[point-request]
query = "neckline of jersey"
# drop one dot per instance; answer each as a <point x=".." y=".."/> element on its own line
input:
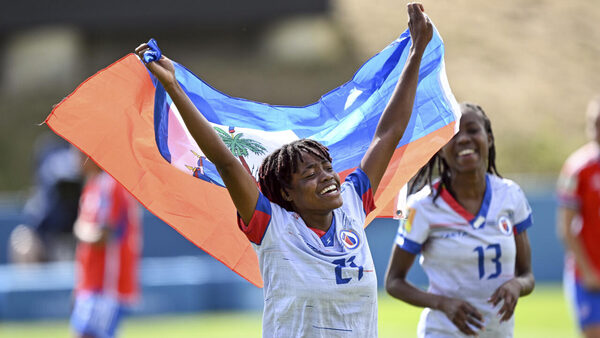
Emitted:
<point x="476" y="221"/>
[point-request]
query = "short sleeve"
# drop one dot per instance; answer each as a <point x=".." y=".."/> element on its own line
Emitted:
<point x="362" y="185"/>
<point x="566" y="189"/>
<point x="523" y="216"/>
<point x="257" y="227"/>
<point x="414" y="230"/>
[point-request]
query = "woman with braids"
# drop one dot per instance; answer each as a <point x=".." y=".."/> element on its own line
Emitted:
<point x="305" y="225"/>
<point x="470" y="228"/>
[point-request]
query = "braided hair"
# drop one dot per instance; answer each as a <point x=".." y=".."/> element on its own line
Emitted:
<point x="438" y="165"/>
<point x="276" y="170"/>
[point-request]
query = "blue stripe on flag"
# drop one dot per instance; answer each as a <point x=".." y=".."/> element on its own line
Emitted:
<point x="345" y="118"/>
<point x="161" y="121"/>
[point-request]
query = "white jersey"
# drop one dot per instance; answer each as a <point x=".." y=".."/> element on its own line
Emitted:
<point x="466" y="256"/>
<point x="317" y="287"/>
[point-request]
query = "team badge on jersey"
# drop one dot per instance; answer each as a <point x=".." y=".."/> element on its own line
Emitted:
<point x="505" y="225"/>
<point x="349" y="239"/>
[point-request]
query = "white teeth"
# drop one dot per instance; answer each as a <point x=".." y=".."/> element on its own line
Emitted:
<point x="328" y="189"/>
<point x="466" y="152"/>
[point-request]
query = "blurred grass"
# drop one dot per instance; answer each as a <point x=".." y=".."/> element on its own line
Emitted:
<point x="542" y="314"/>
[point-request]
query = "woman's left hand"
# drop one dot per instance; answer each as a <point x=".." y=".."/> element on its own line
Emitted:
<point x="508" y="292"/>
<point x="419" y="25"/>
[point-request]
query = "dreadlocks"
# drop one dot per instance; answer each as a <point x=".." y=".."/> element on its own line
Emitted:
<point x="276" y="170"/>
<point x="438" y="165"/>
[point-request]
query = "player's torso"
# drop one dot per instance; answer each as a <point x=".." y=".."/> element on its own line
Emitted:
<point x="463" y="261"/>
<point x="112" y="266"/>
<point x="469" y="261"/>
<point x="316" y="289"/>
<point x="470" y="258"/>
<point x="589" y="195"/>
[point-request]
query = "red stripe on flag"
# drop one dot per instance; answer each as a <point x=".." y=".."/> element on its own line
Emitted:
<point x="110" y="118"/>
<point x="405" y="163"/>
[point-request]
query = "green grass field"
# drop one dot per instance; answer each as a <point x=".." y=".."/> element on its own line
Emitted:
<point x="542" y="314"/>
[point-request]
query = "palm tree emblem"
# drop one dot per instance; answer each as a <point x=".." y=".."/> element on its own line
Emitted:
<point x="240" y="146"/>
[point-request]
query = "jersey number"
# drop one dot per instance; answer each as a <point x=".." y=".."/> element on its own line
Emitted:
<point x="496" y="260"/>
<point x="341" y="263"/>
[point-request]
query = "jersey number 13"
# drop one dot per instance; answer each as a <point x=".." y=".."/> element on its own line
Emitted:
<point x="496" y="260"/>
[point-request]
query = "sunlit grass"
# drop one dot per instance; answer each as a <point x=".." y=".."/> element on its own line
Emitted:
<point x="542" y="314"/>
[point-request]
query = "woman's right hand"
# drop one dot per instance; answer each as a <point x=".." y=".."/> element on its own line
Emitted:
<point x="163" y="69"/>
<point x="462" y="314"/>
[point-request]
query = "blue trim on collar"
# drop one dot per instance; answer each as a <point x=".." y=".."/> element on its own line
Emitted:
<point x="479" y="220"/>
<point x="329" y="236"/>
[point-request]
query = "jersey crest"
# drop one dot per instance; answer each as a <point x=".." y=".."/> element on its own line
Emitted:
<point x="505" y="225"/>
<point x="349" y="239"/>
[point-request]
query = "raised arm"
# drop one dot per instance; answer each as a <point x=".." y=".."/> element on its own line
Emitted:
<point x="241" y="186"/>
<point x="397" y="113"/>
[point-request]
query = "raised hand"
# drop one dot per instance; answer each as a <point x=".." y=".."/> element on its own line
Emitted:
<point x="419" y="25"/>
<point x="509" y="293"/>
<point x="163" y="69"/>
<point x="464" y="315"/>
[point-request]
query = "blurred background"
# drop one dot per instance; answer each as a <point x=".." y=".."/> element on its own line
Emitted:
<point x="531" y="64"/>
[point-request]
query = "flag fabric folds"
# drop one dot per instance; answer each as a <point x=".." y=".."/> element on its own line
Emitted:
<point x="123" y="119"/>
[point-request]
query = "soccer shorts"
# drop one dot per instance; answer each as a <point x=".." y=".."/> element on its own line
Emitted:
<point x="586" y="303"/>
<point x="96" y="315"/>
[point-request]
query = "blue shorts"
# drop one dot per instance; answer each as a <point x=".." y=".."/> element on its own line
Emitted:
<point x="96" y="315"/>
<point x="587" y="305"/>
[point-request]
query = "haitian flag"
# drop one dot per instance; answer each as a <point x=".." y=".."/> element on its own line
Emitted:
<point x="123" y="119"/>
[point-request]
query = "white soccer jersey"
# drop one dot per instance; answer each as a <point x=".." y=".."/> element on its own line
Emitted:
<point x="466" y="256"/>
<point x="317" y="287"/>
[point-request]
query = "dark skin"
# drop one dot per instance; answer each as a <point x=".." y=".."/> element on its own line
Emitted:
<point x="467" y="157"/>
<point x="315" y="189"/>
<point x="242" y="187"/>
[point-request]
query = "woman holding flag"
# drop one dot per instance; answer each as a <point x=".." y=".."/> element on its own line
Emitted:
<point x="470" y="228"/>
<point x="305" y="225"/>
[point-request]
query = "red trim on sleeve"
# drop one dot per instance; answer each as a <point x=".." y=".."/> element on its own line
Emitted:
<point x="255" y="230"/>
<point x="368" y="202"/>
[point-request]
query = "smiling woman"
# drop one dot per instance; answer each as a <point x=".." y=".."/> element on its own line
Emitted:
<point x="473" y="240"/>
<point x="306" y="227"/>
<point x="299" y="177"/>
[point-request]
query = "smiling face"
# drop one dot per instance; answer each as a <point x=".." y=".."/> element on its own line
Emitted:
<point x="314" y="187"/>
<point x="468" y="150"/>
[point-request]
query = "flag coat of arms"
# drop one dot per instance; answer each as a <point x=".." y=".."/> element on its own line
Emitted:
<point x="123" y="119"/>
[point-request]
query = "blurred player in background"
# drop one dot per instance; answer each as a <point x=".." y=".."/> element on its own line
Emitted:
<point x="51" y="210"/>
<point x="108" y="233"/>
<point x="579" y="225"/>
<point x="470" y="228"/>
